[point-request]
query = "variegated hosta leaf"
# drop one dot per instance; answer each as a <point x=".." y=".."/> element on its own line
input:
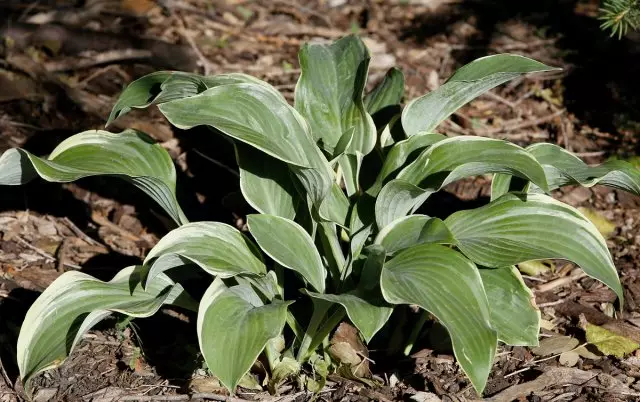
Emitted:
<point x="466" y="156"/>
<point x="288" y="244"/>
<point x="445" y="283"/>
<point x="164" y="86"/>
<point x="399" y="154"/>
<point x="364" y="305"/>
<point x="387" y="93"/>
<point x="265" y="182"/>
<point x="412" y="230"/>
<point x="514" y="313"/>
<point x="329" y="96"/>
<point x="218" y="248"/>
<point x="335" y="207"/>
<point x="75" y="302"/>
<point x="427" y="112"/>
<point x="234" y="326"/>
<point x="130" y="155"/>
<point x="563" y="167"/>
<point x="396" y="199"/>
<point x="522" y="227"/>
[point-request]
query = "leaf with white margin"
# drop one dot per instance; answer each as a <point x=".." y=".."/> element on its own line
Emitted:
<point x="234" y="326"/>
<point x="75" y="301"/>
<point x="387" y="93"/>
<point x="428" y="111"/>
<point x="445" y="283"/>
<point x="130" y="155"/>
<point x="255" y="115"/>
<point x="217" y="248"/>
<point x="522" y="227"/>
<point x="514" y="313"/>
<point x="265" y="182"/>
<point x="288" y="244"/>
<point x="398" y="198"/>
<point x="412" y="230"/>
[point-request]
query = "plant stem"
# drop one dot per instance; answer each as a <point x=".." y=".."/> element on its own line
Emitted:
<point x="326" y="328"/>
<point x="295" y="326"/>
<point x="320" y="308"/>
<point x="424" y="316"/>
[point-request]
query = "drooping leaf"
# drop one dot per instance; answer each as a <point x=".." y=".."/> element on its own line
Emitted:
<point x="218" y="248"/>
<point x="445" y="283"/>
<point x="523" y="227"/>
<point x="164" y="86"/>
<point x="412" y="230"/>
<point x="396" y="199"/>
<point x="75" y="302"/>
<point x="233" y="328"/>
<point x="427" y="112"/>
<point x="254" y="114"/>
<point x="514" y="314"/>
<point x="563" y="168"/>
<point x="329" y="95"/>
<point x="265" y="182"/>
<point x="130" y="155"/>
<point x="290" y="246"/>
<point x="387" y="93"/>
<point x="466" y="156"/>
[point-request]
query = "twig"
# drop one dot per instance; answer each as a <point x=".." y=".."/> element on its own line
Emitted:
<point x="590" y="154"/>
<point x="500" y="99"/>
<point x="545" y="287"/>
<point x="110" y="56"/>
<point x="38" y="251"/>
<point x="79" y="232"/>
<point x="206" y="63"/>
<point x="102" y="221"/>
<point x="525" y="124"/>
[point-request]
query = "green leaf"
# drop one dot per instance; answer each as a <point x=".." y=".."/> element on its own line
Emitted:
<point x="265" y="182"/>
<point x="412" y="230"/>
<point x="445" y="283"/>
<point x="387" y="93"/>
<point x="255" y="115"/>
<point x="521" y="227"/>
<point x="288" y="244"/>
<point x="234" y="326"/>
<point x="164" y="86"/>
<point x="335" y="207"/>
<point x="130" y="155"/>
<point x="472" y="156"/>
<point x="218" y="248"/>
<point x="75" y="302"/>
<point x="396" y="199"/>
<point x="364" y="305"/>
<point x="563" y="168"/>
<point x="514" y="313"/>
<point x="399" y="154"/>
<point x="479" y="76"/>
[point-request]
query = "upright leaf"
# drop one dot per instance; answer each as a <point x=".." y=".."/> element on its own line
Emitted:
<point x="427" y="112"/>
<point x="445" y="283"/>
<point x="517" y="228"/>
<point x="218" y="248"/>
<point x="387" y="93"/>
<point x="130" y="155"/>
<point x="396" y="199"/>
<point x="514" y="313"/>
<point x="75" y="302"/>
<point x="290" y="246"/>
<point x="412" y="230"/>
<point x="234" y="326"/>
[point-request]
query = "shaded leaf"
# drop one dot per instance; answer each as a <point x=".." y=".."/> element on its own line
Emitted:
<point x="387" y="93"/>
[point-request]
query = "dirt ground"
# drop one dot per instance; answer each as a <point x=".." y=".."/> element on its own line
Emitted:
<point x="63" y="63"/>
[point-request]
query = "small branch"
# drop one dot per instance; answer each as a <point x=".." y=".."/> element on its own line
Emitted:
<point x="108" y="57"/>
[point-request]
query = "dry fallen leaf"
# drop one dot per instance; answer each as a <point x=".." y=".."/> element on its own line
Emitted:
<point x="555" y="345"/>
<point x="569" y="358"/>
<point x="535" y="267"/>
<point x="609" y="342"/>
<point x="604" y="226"/>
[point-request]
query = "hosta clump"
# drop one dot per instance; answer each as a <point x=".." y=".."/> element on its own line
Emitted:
<point x="336" y="181"/>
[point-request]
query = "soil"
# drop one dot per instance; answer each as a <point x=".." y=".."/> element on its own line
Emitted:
<point x="57" y="87"/>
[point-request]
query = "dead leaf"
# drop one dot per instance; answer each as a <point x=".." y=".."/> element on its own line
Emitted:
<point x="569" y="358"/>
<point x="348" y="349"/>
<point x="555" y="345"/>
<point x="604" y="226"/>
<point x="609" y="342"/>
<point x="536" y="267"/>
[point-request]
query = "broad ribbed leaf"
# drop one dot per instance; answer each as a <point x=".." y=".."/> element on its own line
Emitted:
<point x="412" y="230"/>
<point x="254" y="114"/>
<point x="335" y="207"/>
<point x="563" y="168"/>
<point x="130" y="155"/>
<point x="396" y="199"/>
<point x="164" y="86"/>
<point x="288" y="244"/>
<point x="522" y="227"/>
<point x="218" y="248"/>
<point x="399" y="154"/>
<point x="427" y="112"/>
<point x="387" y="93"/>
<point x="364" y="305"/>
<point x="471" y="156"/>
<point x="75" y="302"/>
<point x="265" y="182"/>
<point x="514" y="313"/>
<point x="445" y="283"/>
<point x="329" y="96"/>
<point x="234" y="326"/>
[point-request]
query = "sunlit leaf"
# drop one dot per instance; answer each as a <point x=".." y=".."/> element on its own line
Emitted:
<point x="412" y="230"/>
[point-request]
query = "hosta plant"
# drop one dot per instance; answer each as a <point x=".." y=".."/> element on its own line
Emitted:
<point x="337" y="182"/>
